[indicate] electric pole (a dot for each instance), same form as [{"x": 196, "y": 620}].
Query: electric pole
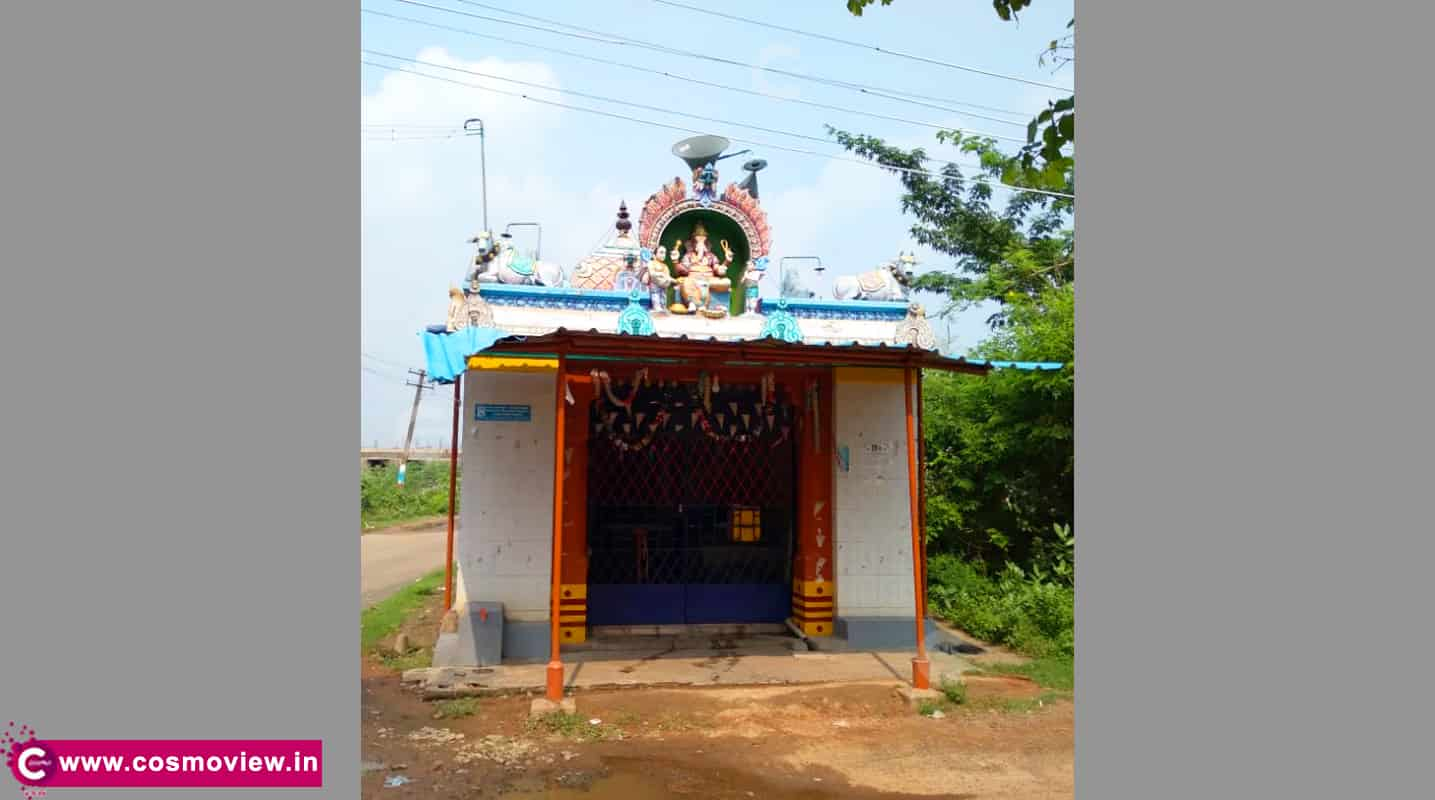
[{"x": 413, "y": 417}]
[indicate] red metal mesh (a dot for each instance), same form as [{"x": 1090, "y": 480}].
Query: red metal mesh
[{"x": 690, "y": 469}]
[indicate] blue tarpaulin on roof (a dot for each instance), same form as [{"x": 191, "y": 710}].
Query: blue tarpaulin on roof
[{"x": 447, "y": 353}]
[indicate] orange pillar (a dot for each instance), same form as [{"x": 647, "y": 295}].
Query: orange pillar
[
  {"x": 921, "y": 668},
  {"x": 555, "y": 663},
  {"x": 573, "y": 599},
  {"x": 813, "y": 585}
]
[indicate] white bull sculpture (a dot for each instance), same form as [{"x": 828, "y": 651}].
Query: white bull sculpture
[
  {"x": 887, "y": 282},
  {"x": 500, "y": 263}
]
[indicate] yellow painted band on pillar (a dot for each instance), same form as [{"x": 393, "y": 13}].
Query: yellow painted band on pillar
[
  {"x": 813, "y": 588},
  {"x": 574, "y": 635},
  {"x": 823, "y": 628}
]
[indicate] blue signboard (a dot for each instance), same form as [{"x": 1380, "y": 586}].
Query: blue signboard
[{"x": 502, "y": 412}]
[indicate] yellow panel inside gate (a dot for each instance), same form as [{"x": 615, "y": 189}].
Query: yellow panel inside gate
[{"x": 746, "y": 524}]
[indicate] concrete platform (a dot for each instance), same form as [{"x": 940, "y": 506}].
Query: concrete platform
[{"x": 680, "y": 667}]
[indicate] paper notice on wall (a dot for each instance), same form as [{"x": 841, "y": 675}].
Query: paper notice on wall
[{"x": 875, "y": 460}]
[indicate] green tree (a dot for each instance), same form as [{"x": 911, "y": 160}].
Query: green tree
[
  {"x": 1000, "y": 448},
  {"x": 1051, "y": 136}
]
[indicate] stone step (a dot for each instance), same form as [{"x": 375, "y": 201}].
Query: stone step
[
  {"x": 684, "y": 642},
  {"x": 723, "y": 629}
]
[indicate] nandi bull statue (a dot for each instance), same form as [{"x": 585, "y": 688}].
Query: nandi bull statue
[
  {"x": 888, "y": 282},
  {"x": 499, "y": 262}
]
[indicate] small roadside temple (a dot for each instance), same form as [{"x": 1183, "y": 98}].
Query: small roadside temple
[{"x": 649, "y": 445}]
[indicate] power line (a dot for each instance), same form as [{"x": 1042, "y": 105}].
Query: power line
[
  {"x": 386, "y": 362},
  {"x": 440, "y": 125},
  {"x": 603, "y": 99},
  {"x": 861, "y": 45},
  {"x": 889, "y": 167},
  {"x": 701, "y": 82},
  {"x": 408, "y": 138},
  {"x": 622, "y": 40},
  {"x": 604, "y": 38}
]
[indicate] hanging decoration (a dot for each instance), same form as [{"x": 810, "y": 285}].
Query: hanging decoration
[{"x": 631, "y": 414}]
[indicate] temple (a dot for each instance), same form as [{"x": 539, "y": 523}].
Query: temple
[{"x": 650, "y": 445}]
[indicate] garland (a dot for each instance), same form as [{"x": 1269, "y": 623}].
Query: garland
[
  {"x": 773, "y": 421},
  {"x": 605, "y": 381}
]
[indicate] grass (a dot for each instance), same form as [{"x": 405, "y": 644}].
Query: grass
[
  {"x": 423, "y": 657},
  {"x": 456, "y": 709},
  {"x": 1055, "y": 671},
  {"x": 1016, "y": 705},
  {"x": 425, "y": 494},
  {"x": 928, "y": 708},
  {"x": 384, "y": 618},
  {"x": 954, "y": 691},
  {"x": 573, "y": 726}
]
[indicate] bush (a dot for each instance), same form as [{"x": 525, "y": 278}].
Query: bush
[
  {"x": 1025, "y": 612},
  {"x": 382, "y": 502}
]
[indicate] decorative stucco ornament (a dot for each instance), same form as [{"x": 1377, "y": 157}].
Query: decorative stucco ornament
[
  {"x": 705, "y": 180},
  {"x": 915, "y": 330},
  {"x": 635, "y": 319},
  {"x": 480, "y": 313},
  {"x": 781, "y": 324},
  {"x": 457, "y": 310}
]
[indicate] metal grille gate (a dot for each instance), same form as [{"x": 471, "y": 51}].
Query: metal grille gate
[{"x": 662, "y": 548}]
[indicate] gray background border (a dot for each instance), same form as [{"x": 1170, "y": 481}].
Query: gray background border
[
  {"x": 1252, "y": 412},
  {"x": 180, "y": 323},
  {"x": 181, "y": 253}
]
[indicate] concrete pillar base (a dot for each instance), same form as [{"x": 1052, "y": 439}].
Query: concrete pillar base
[
  {"x": 921, "y": 673},
  {"x": 542, "y": 707},
  {"x": 915, "y": 697}
]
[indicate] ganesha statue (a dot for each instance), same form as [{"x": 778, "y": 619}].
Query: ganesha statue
[{"x": 698, "y": 272}]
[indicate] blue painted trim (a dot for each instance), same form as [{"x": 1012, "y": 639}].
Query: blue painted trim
[
  {"x": 1027, "y": 365},
  {"x": 557, "y": 297},
  {"x": 847, "y": 309}
]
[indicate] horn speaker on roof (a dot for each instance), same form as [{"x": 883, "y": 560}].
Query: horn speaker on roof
[
  {"x": 750, "y": 182},
  {"x": 699, "y": 151}
]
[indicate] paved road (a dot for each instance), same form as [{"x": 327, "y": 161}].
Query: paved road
[{"x": 391, "y": 560}]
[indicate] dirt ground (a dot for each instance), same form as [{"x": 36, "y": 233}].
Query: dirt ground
[{"x": 822, "y": 741}]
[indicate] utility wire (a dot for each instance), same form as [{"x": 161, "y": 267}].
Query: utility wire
[
  {"x": 831, "y": 81},
  {"x": 599, "y": 98},
  {"x": 603, "y": 38},
  {"x": 408, "y": 138},
  {"x": 851, "y": 43},
  {"x": 409, "y": 126},
  {"x": 864, "y": 162},
  {"x": 372, "y": 357},
  {"x": 602, "y": 99},
  {"x": 700, "y": 82}
]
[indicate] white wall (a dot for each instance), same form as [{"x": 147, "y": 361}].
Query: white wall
[
  {"x": 873, "y": 542},
  {"x": 504, "y": 541}
]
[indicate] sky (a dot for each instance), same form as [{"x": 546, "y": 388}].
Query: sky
[{"x": 422, "y": 190}]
